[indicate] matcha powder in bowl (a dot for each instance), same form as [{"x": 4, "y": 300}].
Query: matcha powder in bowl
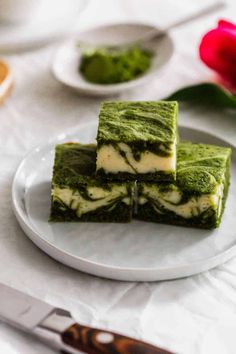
[{"x": 110, "y": 66}]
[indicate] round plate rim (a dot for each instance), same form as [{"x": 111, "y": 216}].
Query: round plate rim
[{"x": 121, "y": 273}]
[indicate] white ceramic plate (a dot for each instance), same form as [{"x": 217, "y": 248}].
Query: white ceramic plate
[
  {"x": 52, "y": 22},
  {"x": 139, "y": 251},
  {"x": 66, "y": 62}
]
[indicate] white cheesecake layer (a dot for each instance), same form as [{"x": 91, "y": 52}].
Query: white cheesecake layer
[
  {"x": 110, "y": 160},
  {"x": 195, "y": 206},
  {"x": 100, "y": 197}
]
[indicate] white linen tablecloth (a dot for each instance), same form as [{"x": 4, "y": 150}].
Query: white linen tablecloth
[{"x": 196, "y": 315}]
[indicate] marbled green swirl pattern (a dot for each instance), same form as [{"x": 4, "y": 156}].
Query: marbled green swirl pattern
[
  {"x": 201, "y": 167},
  {"x": 129, "y": 122},
  {"x": 74, "y": 174},
  {"x": 74, "y": 163}
]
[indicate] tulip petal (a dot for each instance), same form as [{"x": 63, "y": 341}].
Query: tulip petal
[
  {"x": 218, "y": 50},
  {"x": 226, "y": 25}
]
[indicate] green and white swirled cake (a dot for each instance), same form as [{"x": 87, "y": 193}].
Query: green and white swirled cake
[
  {"x": 77, "y": 195},
  {"x": 139, "y": 169},
  {"x": 198, "y": 196},
  {"x": 137, "y": 140}
]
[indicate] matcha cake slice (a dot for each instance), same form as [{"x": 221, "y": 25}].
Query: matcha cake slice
[
  {"x": 137, "y": 140},
  {"x": 198, "y": 196},
  {"x": 77, "y": 195}
]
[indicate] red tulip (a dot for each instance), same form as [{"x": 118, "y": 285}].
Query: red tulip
[{"x": 218, "y": 50}]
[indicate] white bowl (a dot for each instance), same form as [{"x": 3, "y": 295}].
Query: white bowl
[{"x": 65, "y": 66}]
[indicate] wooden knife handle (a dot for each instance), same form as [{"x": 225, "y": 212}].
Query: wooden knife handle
[{"x": 96, "y": 341}]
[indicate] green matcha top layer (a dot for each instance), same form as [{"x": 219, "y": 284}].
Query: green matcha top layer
[
  {"x": 109, "y": 66},
  {"x": 130, "y": 122},
  {"x": 74, "y": 164},
  {"x": 201, "y": 167}
]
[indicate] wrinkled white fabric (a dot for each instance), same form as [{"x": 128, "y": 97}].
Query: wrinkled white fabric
[{"x": 196, "y": 315}]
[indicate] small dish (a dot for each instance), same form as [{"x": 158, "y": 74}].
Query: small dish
[
  {"x": 137, "y": 251},
  {"x": 66, "y": 62}
]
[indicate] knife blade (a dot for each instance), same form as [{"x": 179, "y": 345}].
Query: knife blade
[{"x": 57, "y": 327}]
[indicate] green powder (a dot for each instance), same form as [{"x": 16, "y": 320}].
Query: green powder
[{"x": 110, "y": 66}]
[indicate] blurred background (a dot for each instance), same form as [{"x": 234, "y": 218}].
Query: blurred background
[{"x": 32, "y": 30}]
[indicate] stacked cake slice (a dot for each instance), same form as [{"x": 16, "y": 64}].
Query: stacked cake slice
[
  {"x": 137, "y": 140},
  {"x": 197, "y": 197},
  {"x": 139, "y": 169},
  {"x": 77, "y": 195}
]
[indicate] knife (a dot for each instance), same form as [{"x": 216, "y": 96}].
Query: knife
[{"x": 58, "y": 329}]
